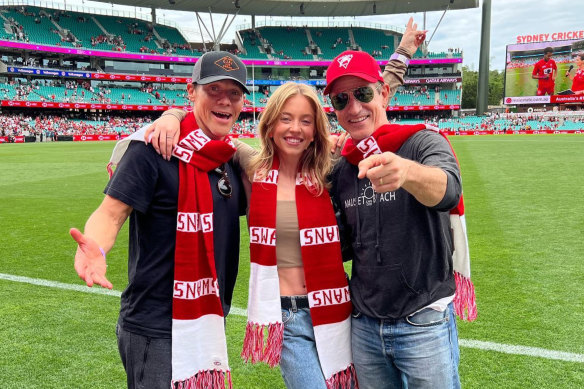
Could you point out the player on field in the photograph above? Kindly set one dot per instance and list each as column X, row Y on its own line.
column 545, row 71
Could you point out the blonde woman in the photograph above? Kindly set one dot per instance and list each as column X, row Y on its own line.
column 298, row 292
column 299, row 306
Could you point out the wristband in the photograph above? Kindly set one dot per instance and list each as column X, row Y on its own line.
column 102, row 252
column 400, row 57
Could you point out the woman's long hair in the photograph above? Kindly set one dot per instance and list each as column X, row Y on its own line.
column 315, row 162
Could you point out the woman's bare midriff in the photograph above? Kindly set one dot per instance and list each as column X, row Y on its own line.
column 292, row 282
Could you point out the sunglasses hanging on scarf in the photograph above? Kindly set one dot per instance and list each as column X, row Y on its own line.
column 223, row 185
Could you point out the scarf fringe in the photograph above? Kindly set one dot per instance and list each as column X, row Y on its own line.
column 110, row 170
column 343, row 379
column 253, row 343
column 465, row 304
column 207, row 379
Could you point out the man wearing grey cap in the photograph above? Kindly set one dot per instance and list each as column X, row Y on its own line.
column 184, row 238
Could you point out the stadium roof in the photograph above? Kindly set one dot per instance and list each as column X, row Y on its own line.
column 304, row 8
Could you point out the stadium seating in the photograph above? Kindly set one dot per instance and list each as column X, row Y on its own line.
column 451, row 96
column 122, row 27
column 409, row 97
column 331, row 41
column 43, row 25
column 288, row 43
column 36, row 26
column 173, row 36
column 374, row 40
column 251, row 45
column 83, row 27
column 172, row 97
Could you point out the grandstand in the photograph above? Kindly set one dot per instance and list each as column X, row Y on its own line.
column 90, row 31
column 84, row 82
column 81, row 84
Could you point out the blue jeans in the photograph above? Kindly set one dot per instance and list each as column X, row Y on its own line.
column 299, row 365
column 420, row 351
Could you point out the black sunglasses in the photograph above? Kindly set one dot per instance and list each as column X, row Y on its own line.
column 223, row 185
column 364, row 94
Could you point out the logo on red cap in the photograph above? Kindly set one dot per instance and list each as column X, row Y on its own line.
column 344, row 60
column 226, row 63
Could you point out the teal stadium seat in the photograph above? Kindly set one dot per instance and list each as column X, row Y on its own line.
column 8, row 92
column 119, row 26
column 137, row 96
column 291, row 41
column 450, row 96
column 83, row 30
column 172, row 35
column 37, row 32
column 326, row 38
column 402, row 98
column 251, row 44
column 374, row 40
column 179, row 96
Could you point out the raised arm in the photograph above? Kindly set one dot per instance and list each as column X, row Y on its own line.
column 101, row 231
column 394, row 71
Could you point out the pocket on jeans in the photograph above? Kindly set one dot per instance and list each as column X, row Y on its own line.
column 144, row 360
column 427, row 317
column 287, row 315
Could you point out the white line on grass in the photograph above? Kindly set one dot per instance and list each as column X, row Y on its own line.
column 59, row 285
column 83, row 288
column 522, row 350
column 468, row 343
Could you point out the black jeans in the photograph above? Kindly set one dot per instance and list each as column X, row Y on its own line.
column 147, row 360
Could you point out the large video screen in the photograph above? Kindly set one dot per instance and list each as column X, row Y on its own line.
column 529, row 72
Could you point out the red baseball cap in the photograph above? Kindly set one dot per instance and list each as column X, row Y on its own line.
column 353, row 63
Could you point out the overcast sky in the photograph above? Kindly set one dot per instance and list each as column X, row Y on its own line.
column 459, row 28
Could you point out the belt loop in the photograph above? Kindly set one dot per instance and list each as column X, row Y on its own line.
column 293, row 301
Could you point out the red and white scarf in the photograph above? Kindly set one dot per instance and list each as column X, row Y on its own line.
column 199, row 347
column 390, row 137
column 328, row 290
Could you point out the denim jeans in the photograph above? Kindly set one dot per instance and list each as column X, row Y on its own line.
column 299, row 364
column 147, row 360
column 420, row 351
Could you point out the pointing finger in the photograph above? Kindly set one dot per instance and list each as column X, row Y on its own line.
column 368, row 163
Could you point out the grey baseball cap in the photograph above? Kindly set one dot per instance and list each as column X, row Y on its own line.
column 219, row 65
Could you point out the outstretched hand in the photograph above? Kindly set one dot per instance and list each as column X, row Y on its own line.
column 412, row 37
column 387, row 171
column 89, row 261
column 163, row 133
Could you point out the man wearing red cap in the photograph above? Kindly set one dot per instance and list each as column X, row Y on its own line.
column 394, row 188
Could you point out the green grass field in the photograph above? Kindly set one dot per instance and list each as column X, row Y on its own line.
column 524, row 212
column 518, row 81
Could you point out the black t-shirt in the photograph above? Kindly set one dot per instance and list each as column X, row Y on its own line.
column 149, row 184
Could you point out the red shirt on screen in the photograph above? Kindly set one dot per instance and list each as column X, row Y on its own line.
column 542, row 68
column 578, row 82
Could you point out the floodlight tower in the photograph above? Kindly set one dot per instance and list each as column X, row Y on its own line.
column 483, row 85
